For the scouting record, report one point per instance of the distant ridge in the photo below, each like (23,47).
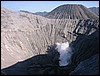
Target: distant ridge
(41,13)
(95,10)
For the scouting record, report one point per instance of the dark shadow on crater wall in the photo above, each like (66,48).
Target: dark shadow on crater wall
(39,61)
(86,46)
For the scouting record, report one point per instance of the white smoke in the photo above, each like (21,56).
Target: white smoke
(65,53)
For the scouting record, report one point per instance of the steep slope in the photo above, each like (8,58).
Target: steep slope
(87,67)
(24,34)
(86,55)
(71,11)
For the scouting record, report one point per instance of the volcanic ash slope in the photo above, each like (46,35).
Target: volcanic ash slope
(24,35)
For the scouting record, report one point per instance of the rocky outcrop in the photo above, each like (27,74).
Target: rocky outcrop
(71,11)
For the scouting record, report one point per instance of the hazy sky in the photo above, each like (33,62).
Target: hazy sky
(41,6)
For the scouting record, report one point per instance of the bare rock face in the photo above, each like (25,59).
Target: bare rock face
(84,58)
(85,47)
(25,35)
(71,11)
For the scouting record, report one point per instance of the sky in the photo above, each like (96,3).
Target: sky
(41,6)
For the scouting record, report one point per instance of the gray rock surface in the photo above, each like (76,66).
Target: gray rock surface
(89,66)
(85,47)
